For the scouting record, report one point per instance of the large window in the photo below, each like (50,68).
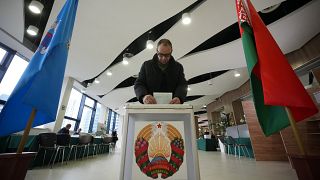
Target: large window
(85,119)
(82,112)
(12,76)
(96,118)
(73,104)
(2,55)
(113,121)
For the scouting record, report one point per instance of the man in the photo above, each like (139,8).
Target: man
(65,130)
(161,74)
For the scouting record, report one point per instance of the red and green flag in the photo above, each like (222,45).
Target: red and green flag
(274,84)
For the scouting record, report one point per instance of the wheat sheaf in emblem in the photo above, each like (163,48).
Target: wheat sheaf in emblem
(159,150)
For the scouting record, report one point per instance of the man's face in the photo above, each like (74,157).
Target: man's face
(164,53)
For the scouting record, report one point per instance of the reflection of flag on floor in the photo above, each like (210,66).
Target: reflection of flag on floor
(40,85)
(273,82)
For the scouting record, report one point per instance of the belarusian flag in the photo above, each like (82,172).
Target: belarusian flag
(274,84)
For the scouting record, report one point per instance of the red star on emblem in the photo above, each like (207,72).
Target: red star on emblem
(159,125)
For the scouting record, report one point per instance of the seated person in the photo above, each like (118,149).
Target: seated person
(65,130)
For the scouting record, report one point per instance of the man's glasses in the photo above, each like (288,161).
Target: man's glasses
(160,55)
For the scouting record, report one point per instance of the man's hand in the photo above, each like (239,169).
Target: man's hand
(148,99)
(175,100)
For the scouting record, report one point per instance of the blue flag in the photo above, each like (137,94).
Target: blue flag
(40,85)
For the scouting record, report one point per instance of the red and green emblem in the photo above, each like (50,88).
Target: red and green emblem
(159,150)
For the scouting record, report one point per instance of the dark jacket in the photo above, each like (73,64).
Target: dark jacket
(64,130)
(152,79)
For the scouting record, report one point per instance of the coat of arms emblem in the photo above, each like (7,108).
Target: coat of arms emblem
(159,150)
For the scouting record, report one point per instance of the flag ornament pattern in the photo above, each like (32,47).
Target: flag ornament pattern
(274,84)
(159,149)
(40,85)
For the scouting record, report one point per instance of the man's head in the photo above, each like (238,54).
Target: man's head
(164,50)
(68,126)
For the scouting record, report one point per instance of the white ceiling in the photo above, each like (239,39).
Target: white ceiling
(104,28)
(12,26)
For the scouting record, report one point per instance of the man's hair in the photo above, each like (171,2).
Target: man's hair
(165,42)
(68,125)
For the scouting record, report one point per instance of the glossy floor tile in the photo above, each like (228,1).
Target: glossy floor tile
(213,165)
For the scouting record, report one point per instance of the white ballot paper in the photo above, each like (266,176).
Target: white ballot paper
(162,98)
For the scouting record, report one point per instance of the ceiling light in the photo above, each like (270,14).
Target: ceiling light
(36,7)
(109,73)
(204,106)
(125,61)
(97,81)
(126,57)
(32,30)
(186,19)
(89,84)
(189,89)
(270,9)
(149,44)
(236,74)
(83,90)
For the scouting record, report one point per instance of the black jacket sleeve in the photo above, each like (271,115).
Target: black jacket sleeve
(181,90)
(140,85)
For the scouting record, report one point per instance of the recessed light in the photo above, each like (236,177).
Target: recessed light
(189,89)
(237,74)
(36,7)
(186,19)
(149,44)
(125,61)
(109,73)
(32,30)
(97,81)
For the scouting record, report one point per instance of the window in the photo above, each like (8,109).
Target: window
(85,119)
(89,102)
(96,118)
(111,120)
(82,112)
(12,76)
(2,55)
(68,121)
(117,122)
(73,104)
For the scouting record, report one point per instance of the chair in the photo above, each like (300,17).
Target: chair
(47,141)
(84,140)
(63,142)
(106,142)
(239,145)
(94,145)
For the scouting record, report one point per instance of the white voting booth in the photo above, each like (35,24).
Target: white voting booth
(159,142)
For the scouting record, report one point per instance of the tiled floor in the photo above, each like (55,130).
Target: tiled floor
(213,165)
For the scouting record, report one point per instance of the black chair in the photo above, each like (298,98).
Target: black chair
(47,141)
(94,145)
(63,142)
(84,140)
(106,144)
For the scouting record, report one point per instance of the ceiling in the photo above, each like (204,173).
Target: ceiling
(104,30)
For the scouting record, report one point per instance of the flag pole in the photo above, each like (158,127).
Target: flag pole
(26,131)
(296,132)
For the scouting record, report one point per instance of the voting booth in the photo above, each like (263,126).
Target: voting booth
(159,142)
